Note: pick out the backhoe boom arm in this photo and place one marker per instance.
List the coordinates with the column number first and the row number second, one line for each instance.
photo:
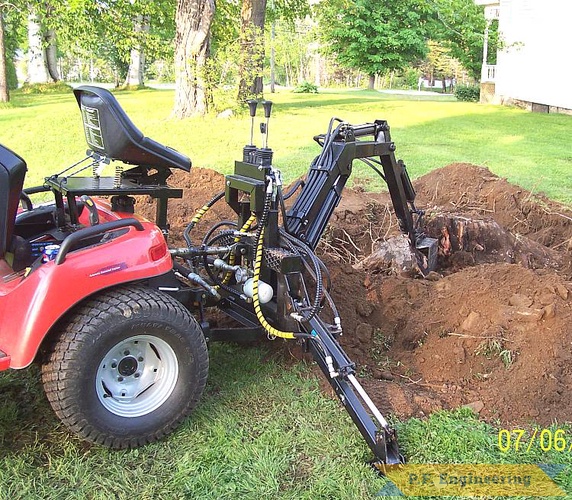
column 329, row 172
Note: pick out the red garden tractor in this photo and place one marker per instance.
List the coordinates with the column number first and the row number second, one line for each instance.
column 120, row 322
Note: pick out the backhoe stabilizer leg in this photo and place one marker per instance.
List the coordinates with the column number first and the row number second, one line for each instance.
column 380, row 437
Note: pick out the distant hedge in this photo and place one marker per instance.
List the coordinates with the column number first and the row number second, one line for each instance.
column 468, row 93
column 306, row 88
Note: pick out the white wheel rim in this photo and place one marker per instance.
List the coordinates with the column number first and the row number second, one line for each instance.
column 137, row 376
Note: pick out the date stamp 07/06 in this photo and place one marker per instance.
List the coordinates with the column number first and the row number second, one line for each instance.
column 544, row 439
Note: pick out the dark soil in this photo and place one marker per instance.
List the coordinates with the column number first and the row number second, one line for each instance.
column 495, row 334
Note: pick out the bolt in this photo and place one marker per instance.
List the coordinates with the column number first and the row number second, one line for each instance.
column 140, row 358
column 126, row 352
column 120, row 379
column 137, row 375
column 113, row 365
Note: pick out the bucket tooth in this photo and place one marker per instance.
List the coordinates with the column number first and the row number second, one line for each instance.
column 426, row 251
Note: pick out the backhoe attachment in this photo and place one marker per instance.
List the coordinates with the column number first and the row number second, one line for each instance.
column 265, row 273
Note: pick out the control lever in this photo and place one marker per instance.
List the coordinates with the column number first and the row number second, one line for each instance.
column 252, row 105
column 264, row 129
column 93, row 215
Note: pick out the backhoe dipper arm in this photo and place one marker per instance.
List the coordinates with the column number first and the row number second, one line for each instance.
column 340, row 372
column 329, row 172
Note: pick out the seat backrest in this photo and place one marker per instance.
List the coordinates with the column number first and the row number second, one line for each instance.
column 12, row 174
column 110, row 132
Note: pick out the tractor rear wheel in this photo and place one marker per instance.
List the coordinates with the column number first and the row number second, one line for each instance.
column 127, row 367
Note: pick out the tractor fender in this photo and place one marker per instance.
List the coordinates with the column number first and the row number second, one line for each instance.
column 35, row 304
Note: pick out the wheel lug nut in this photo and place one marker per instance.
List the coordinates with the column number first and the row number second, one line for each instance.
column 120, row 379
column 137, row 375
column 140, row 358
column 113, row 365
column 126, row 352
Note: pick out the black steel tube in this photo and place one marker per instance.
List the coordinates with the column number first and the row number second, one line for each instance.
column 382, row 441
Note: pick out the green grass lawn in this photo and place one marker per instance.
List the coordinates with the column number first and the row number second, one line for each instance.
column 529, row 149
column 264, row 428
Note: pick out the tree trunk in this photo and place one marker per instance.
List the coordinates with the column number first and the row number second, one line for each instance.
column 135, row 72
column 52, row 55
column 253, row 13
column 4, row 93
column 192, row 49
column 317, row 70
column 137, row 57
column 37, row 67
column 371, row 84
column 272, row 58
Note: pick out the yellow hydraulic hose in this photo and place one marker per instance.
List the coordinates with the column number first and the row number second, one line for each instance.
column 255, row 300
column 199, row 213
column 231, row 259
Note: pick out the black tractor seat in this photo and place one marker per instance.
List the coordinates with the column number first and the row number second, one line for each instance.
column 111, row 133
column 12, row 174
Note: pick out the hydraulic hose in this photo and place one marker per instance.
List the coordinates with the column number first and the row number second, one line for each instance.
column 198, row 215
column 218, row 225
column 255, row 299
column 231, row 259
column 318, row 275
column 257, row 266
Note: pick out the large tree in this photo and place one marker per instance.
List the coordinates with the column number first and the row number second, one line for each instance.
column 43, row 18
column 374, row 35
column 37, row 61
column 192, row 48
column 252, row 16
column 135, row 73
column 460, row 26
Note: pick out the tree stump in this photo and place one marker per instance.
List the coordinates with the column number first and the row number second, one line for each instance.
column 462, row 242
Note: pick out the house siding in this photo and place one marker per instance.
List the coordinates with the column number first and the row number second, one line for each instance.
column 536, row 63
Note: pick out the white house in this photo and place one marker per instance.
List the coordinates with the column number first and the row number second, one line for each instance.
column 534, row 64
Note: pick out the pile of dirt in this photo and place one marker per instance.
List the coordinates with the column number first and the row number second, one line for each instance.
column 494, row 335
column 475, row 191
column 199, row 187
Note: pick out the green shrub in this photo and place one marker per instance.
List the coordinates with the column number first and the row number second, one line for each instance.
column 470, row 93
column 306, row 88
column 45, row 88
